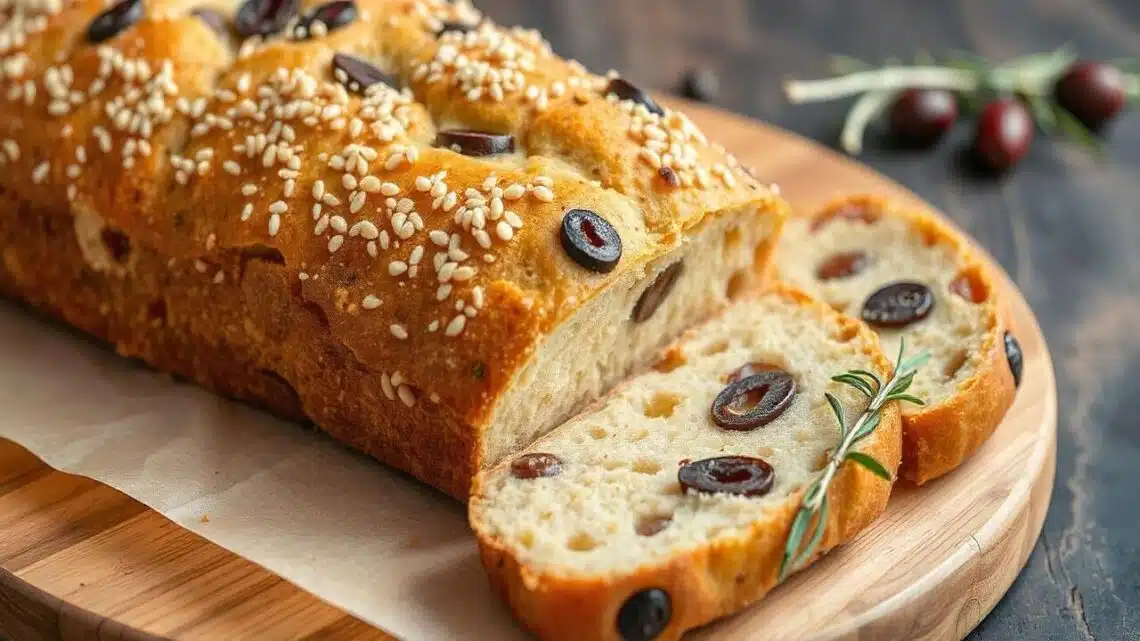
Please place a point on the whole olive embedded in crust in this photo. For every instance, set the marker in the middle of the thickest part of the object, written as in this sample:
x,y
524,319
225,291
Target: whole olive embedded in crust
x,y
535,465
333,15
742,475
358,74
645,615
115,20
754,401
842,265
265,17
590,240
1014,357
626,90
653,295
898,304
475,143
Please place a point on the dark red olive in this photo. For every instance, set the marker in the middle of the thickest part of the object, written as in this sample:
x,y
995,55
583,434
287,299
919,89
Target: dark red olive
x,y
590,240
865,213
1005,130
742,475
265,17
898,305
115,20
535,465
754,401
645,615
842,265
475,143
920,117
652,297
214,19
334,15
1094,92
625,90
358,74
1014,357
669,176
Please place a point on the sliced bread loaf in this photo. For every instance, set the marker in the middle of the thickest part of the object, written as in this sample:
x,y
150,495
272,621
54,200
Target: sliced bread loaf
x,y
908,274
643,517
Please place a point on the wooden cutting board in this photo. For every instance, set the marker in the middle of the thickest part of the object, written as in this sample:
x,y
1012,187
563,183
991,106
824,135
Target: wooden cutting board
x,y
79,560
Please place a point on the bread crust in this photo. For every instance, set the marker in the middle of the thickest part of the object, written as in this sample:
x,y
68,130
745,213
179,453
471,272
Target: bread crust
x,y
938,438
197,150
713,580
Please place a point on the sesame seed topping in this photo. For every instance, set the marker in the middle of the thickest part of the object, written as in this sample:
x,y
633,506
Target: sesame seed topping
x,y
370,302
398,331
274,224
455,327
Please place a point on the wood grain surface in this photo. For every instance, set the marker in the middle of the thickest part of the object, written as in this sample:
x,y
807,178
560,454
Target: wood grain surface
x,y
81,561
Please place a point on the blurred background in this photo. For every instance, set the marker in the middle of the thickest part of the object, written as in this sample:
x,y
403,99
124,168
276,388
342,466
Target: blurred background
x,y
1064,223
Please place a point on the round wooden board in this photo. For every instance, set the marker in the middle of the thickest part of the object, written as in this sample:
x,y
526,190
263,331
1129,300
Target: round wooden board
x,y
79,560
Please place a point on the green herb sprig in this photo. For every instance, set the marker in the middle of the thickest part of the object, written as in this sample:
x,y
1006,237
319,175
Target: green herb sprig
x,y
811,519
971,78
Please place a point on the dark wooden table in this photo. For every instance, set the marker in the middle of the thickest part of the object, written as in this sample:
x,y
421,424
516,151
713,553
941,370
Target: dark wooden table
x,y
1065,226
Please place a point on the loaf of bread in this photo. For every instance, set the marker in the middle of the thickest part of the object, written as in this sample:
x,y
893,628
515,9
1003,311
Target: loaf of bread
x,y
645,516
424,232
908,274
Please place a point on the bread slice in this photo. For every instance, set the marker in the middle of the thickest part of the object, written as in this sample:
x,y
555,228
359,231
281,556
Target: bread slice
x,y
568,552
969,383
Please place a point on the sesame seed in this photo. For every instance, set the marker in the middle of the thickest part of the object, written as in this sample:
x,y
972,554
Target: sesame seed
x,y
433,326
397,267
278,207
339,224
248,189
386,386
318,189
455,327
397,379
274,224
39,174
544,194
232,167
406,395
370,302
443,291
335,242
398,331
247,211
477,296
357,202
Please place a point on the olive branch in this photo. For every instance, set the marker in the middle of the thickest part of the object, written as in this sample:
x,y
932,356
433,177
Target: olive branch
x,y
811,518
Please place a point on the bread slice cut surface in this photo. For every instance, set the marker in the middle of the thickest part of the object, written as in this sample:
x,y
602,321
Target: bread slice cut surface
x,y
620,525
910,275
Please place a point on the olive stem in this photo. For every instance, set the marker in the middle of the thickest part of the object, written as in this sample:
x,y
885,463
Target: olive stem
x,y
883,79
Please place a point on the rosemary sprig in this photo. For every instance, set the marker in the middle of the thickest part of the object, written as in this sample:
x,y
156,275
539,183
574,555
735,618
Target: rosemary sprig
x,y
811,518
972,79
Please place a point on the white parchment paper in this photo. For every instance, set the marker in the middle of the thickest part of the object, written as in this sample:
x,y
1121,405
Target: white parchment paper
x,y
351,531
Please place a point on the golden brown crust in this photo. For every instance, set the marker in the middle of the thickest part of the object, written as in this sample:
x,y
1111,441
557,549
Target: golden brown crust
x,y
939,438
198,148
711,581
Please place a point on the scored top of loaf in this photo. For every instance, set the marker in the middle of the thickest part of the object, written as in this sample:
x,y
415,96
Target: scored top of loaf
x,y
196,143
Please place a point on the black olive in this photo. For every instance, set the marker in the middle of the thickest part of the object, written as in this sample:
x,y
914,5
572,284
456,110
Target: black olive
x,y
536,464
265,17
214,19
625,90
590,240
754,401
460,27
1014,357
652,297
358,74
115,20
742,475
334,15
898,304
645,615
475,143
